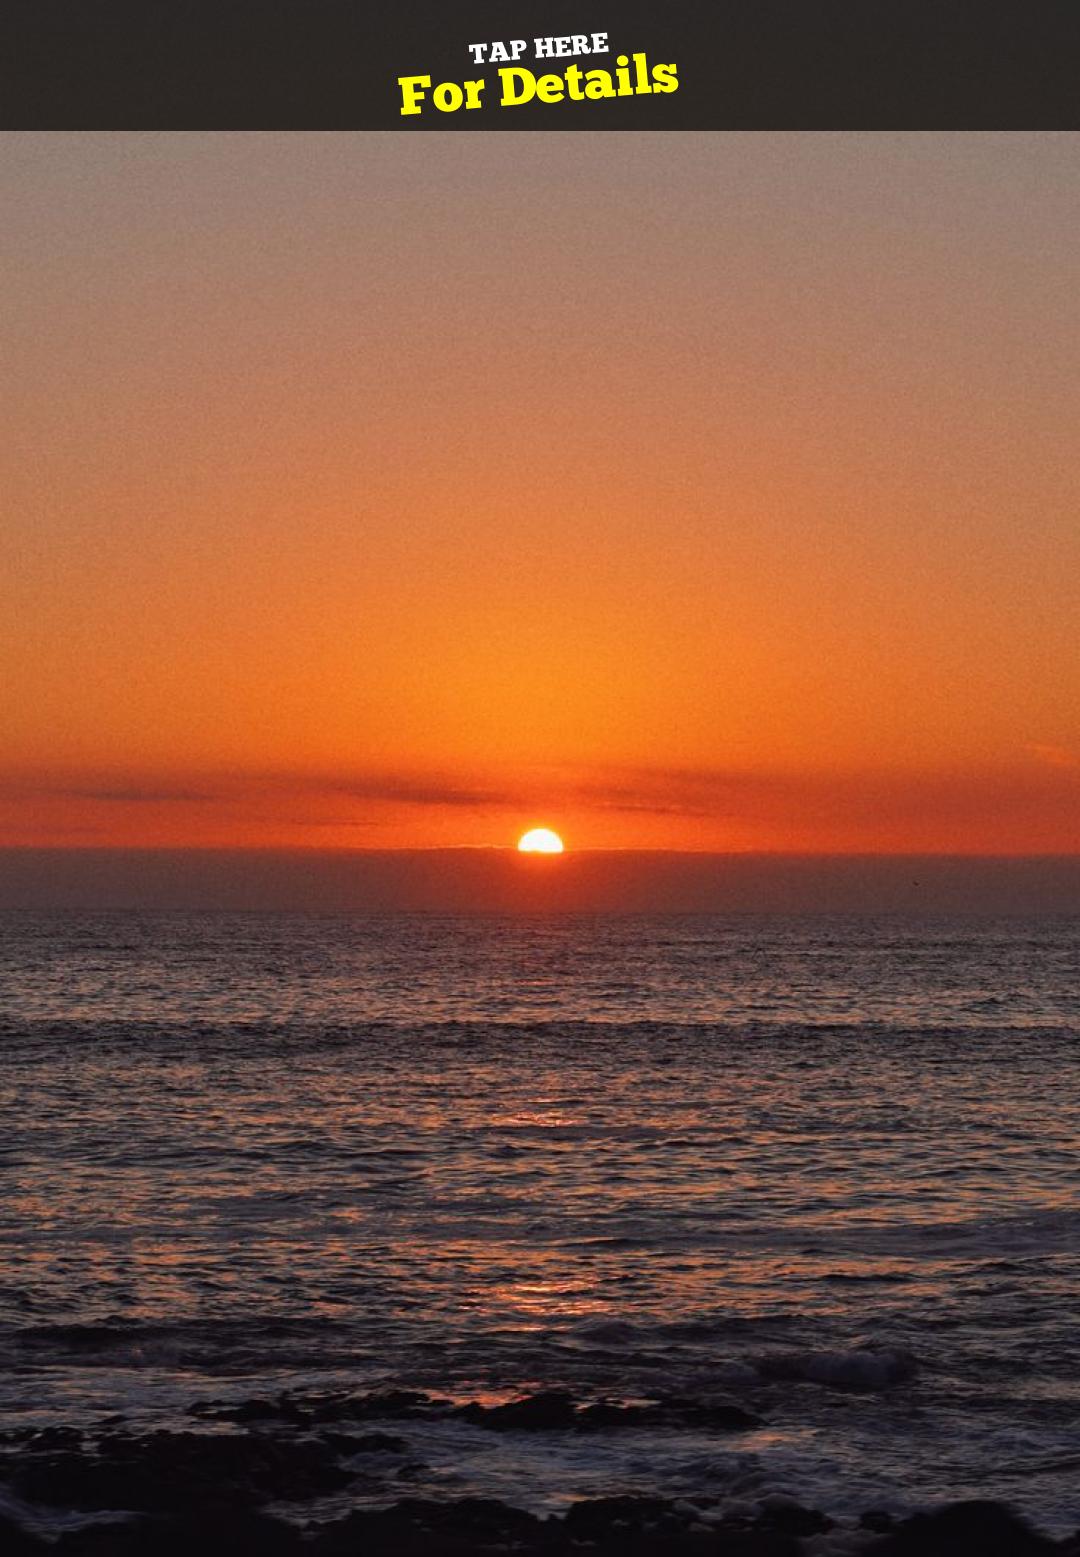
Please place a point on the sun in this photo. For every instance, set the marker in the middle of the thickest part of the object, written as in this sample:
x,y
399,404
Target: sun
x,y
540,840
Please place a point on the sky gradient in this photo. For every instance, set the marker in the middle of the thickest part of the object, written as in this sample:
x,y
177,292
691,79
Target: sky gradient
x,y
706,492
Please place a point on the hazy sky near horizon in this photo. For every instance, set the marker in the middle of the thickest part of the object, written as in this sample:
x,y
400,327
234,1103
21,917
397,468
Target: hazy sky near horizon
x,y
675,490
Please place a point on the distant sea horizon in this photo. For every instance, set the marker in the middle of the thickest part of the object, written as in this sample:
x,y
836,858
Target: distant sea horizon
x,y
500,880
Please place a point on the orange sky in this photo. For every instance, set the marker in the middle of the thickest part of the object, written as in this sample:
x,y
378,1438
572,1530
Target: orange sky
x,y
695,491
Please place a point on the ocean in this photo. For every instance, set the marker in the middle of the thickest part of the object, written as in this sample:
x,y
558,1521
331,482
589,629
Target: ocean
x,y
740,1207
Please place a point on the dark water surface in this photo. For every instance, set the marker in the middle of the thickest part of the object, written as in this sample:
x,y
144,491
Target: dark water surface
x,y
822,1168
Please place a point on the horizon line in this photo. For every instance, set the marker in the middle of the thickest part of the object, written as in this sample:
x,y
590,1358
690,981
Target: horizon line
x,y
568,853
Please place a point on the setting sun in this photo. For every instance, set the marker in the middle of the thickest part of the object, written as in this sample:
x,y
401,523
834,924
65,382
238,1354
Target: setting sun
x,y
540,840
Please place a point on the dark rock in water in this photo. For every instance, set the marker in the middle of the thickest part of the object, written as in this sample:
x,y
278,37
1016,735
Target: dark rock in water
x,y
283,1409
982,1529
173,1472
597,1517
411,1470
257,1410
390,1404
200,1494
198,1523
790,1518
757,1543
716,1414
552,1408
17,1542
57,1438
221,1535
656,1527
36,1438
419,1528
615,1527
604,1414
549,1409
558,1409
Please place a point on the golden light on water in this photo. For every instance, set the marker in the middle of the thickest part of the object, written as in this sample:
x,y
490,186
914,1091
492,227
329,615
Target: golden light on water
x,y
540,840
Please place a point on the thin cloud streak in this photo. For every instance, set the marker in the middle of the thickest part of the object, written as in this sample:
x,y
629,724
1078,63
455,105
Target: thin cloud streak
x,y
816,801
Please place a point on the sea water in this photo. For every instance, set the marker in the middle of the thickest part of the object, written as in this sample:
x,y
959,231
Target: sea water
x,y
824,1168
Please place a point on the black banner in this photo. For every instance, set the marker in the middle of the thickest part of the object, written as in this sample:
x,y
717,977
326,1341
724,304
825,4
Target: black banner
x,y
582,64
